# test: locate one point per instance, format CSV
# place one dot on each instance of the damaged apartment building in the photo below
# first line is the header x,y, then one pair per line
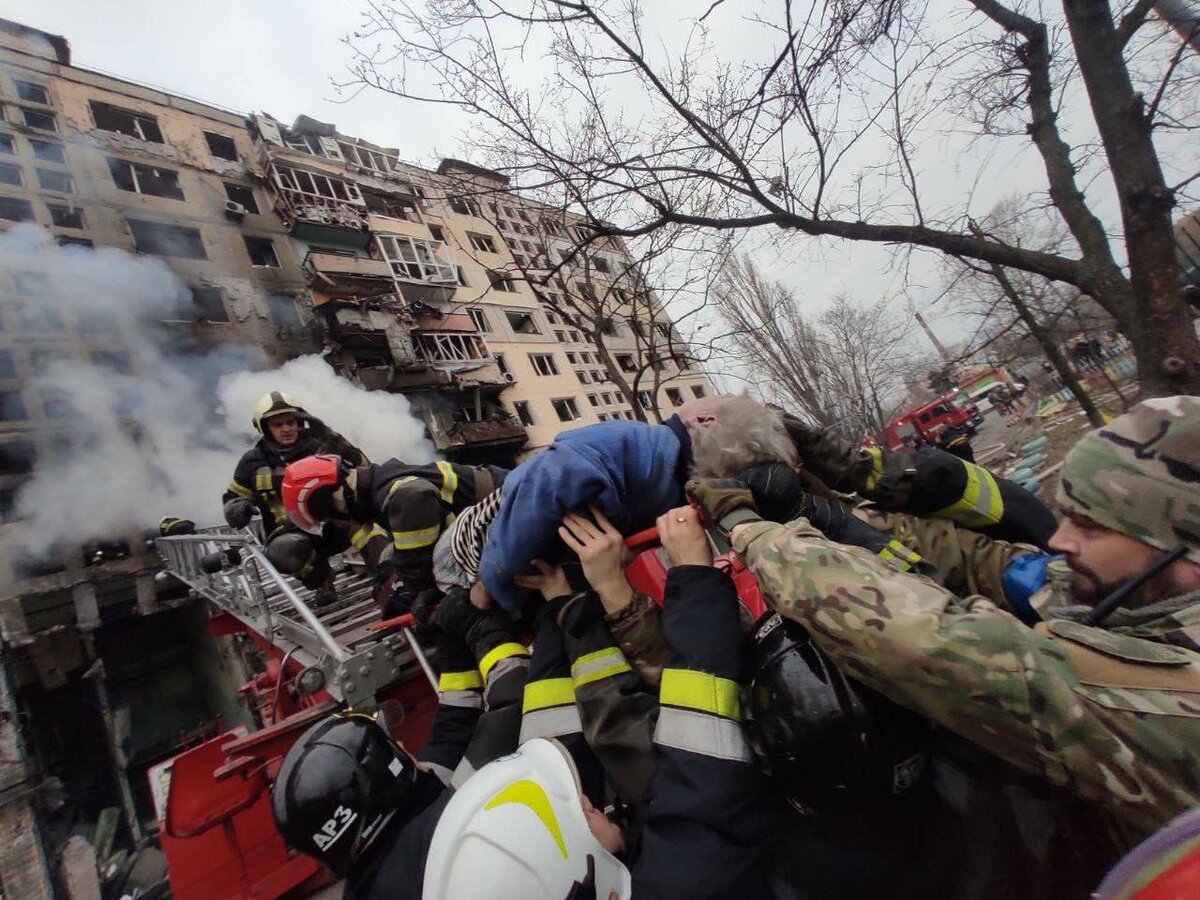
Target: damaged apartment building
x,y
293,239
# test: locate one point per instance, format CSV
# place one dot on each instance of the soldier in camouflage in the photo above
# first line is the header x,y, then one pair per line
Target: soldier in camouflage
x,y
1108,711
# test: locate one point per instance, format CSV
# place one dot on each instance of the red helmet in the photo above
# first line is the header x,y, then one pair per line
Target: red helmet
x,y
308,487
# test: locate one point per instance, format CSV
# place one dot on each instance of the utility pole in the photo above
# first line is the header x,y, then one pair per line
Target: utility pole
x,y
932,337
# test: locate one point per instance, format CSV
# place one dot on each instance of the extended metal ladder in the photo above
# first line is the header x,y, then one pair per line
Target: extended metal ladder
x,y
335,643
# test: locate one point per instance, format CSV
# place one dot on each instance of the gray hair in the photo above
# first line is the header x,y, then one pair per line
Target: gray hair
x,y
745,434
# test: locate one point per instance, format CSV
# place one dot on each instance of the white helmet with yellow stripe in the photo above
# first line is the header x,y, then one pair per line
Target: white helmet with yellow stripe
x,y
516,831
274,403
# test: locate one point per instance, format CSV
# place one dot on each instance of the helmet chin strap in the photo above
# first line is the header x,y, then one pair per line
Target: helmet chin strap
x,y
1108,605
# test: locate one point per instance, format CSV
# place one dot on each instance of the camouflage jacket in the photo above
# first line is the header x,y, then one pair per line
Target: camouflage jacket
x,y
1111,714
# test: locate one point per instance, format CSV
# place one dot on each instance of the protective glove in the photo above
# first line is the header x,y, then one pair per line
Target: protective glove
x,y
400,601
482,630
835,460
724,502
423,609
238,512
780,495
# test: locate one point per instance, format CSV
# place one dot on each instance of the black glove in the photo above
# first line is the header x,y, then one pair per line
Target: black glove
x,y
482,630
781,496
423,609
238,512
401,600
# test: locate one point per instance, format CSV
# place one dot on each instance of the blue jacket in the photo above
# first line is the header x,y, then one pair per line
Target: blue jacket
x,y
631,471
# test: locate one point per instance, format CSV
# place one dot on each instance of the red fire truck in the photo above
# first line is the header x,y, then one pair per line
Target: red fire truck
x,y
933,423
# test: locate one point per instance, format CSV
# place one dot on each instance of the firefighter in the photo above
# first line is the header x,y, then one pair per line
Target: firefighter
x,y
413,504
287,433
350,796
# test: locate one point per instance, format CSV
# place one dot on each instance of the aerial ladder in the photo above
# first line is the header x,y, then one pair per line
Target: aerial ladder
x,y
213,799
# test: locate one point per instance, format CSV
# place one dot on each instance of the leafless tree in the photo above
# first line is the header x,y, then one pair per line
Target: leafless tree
x,y
820,128
843,368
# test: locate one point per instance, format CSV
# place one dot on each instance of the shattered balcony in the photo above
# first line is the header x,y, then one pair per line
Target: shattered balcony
x,y
319,208
474,429
336,272
424,271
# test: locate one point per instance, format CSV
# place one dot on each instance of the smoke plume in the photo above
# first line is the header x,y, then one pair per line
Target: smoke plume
x,y
152,424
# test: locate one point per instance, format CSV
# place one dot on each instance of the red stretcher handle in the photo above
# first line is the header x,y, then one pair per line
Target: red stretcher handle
x,y
404,621
643,540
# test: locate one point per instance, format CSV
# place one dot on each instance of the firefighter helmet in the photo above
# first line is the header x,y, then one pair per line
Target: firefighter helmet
x,y
520,820
308,488
339,785
827,740
275,403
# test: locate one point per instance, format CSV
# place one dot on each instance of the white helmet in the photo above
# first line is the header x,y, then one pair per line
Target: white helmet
x,y
516,831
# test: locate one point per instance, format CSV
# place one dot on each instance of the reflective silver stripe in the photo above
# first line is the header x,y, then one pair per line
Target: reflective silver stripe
x,y
597,665
464,771
507,664
464,699
552,722
444,775
686,729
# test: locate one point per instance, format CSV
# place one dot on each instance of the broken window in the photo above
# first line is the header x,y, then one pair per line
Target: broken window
x,y
501,282
436,233
462,276
374,160
284,312
261,252
167,240
440,347
8,369
125,121
571,357
464,206
210,302
586,292
32,93
62,216
645,401
607,398
522,322
626,363
39,119
502,365
698,391
310,184
53,180
524,413
479,317
16,210
49,151
140,179
17,457
7,147
543,363
28,562
552,227
593,399
392,207
583,377
675,396
11,174
416,259
221,146
481,242
66,240
239,193
566,409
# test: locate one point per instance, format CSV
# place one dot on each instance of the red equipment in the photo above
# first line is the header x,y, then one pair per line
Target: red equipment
x,y
301,482
931,422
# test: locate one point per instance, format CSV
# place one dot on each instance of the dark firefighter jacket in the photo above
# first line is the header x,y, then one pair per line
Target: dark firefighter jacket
x,y
701,827
414,504
477,720
259,473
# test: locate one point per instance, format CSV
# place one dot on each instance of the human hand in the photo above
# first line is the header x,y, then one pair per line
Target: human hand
x,y
550,580
718,497
599,546
480,599
684,538
238,512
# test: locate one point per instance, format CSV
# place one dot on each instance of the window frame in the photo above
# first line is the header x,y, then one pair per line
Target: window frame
x,y
570,405
538,361
138,122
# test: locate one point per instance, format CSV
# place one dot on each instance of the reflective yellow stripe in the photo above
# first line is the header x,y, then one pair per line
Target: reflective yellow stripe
x,y
459,681
400,482
547,692
900,556
264,480
876,472
700,691
421,537
980,504
504,651
240,490
363,536
597,665
449,481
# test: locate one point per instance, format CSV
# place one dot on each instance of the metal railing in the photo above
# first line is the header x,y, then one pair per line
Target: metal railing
x,y
230,569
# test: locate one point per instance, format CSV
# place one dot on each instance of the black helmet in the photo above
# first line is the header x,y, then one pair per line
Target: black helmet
x,y
339,786
827,740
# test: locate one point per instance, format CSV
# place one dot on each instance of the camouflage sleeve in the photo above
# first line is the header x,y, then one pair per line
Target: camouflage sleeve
x,y
969,562
638,630
980,673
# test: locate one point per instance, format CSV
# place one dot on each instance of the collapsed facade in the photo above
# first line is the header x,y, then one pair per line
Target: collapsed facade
x,y
293,239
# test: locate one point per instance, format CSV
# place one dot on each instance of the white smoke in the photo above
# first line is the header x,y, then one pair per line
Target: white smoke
x,y
378,423
153,425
